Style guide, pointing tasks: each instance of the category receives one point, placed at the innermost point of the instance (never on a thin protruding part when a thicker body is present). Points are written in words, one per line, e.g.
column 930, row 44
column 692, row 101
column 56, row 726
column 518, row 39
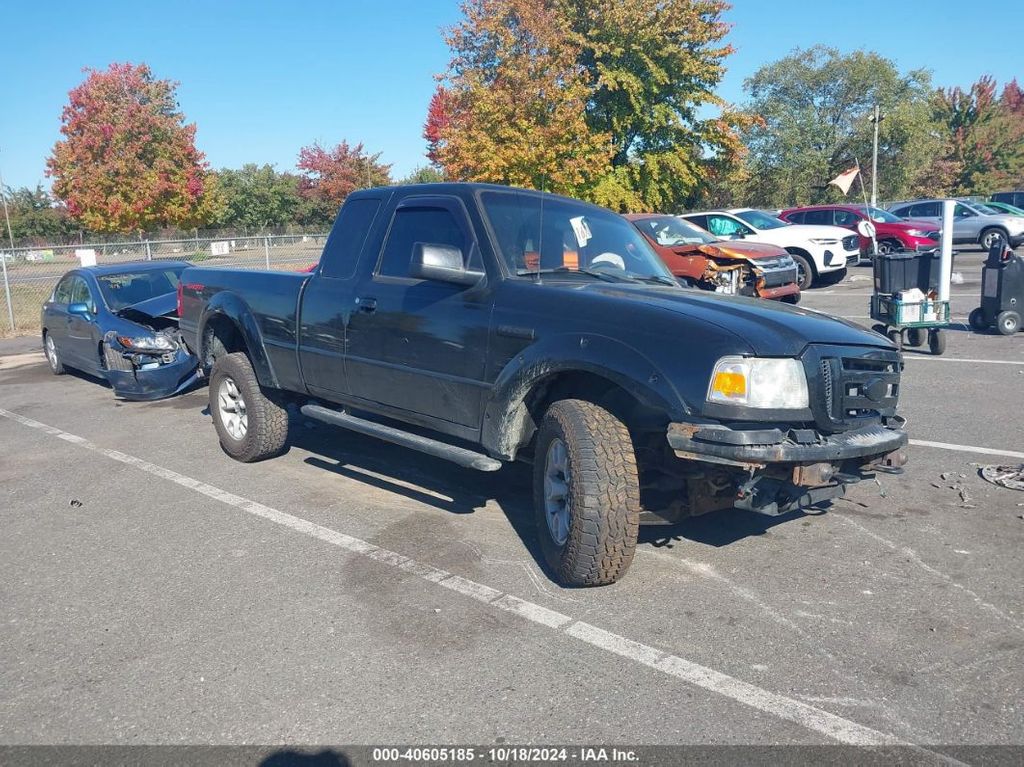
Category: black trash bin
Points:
column 906, row 270
column 1002, row 292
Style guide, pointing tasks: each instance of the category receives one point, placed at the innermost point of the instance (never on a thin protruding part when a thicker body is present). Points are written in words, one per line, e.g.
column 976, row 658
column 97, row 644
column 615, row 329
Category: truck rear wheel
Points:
column 250, row 425
column 586, row 493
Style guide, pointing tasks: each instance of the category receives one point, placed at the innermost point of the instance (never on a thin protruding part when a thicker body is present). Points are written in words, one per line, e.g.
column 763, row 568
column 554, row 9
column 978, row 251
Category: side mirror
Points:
column 81, row 309
column 443, row 263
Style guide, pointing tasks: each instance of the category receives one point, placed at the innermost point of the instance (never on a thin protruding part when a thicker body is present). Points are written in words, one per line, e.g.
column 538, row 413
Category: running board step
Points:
column 459, row 455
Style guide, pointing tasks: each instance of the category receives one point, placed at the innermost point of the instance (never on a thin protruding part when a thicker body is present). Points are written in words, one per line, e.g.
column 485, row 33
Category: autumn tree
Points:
column 986, row 136
column 127, row 161
column 512, row 109
column 811, row 113
column 331, row 175
column 651, row 68
column 438, row 118
column 258, row 196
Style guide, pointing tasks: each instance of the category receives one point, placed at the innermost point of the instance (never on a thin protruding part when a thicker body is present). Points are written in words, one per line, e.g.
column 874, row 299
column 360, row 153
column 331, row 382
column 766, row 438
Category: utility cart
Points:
column 1002, row 292
column 906, row 303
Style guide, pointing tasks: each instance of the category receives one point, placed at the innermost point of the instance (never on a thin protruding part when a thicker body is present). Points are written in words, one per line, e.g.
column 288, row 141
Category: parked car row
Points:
column 973, row 222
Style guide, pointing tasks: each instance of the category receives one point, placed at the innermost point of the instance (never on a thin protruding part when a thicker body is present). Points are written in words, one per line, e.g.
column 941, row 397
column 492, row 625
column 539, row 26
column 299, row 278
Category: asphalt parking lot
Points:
column 155, row 591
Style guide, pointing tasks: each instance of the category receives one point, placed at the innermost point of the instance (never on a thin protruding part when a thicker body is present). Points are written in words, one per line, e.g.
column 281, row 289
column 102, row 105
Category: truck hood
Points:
column 770, row 328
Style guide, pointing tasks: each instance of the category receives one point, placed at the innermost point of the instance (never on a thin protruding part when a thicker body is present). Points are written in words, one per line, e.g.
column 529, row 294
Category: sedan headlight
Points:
column 147, row 343
column 775, row 384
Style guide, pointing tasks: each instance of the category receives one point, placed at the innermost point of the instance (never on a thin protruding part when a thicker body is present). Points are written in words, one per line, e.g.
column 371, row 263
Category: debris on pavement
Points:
column 1010, row 477
column 74, row 503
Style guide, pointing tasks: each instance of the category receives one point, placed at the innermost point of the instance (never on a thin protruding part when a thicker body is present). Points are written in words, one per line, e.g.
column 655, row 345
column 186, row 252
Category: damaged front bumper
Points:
column 757, row 447
column 135, row 375
column 774, row 470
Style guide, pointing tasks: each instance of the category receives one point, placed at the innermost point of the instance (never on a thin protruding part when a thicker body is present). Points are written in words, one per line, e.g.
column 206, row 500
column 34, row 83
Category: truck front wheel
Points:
column 586, row 493
column 250, row 425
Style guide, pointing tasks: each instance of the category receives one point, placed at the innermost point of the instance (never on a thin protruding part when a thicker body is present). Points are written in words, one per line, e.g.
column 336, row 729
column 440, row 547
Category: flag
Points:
column 845, row 179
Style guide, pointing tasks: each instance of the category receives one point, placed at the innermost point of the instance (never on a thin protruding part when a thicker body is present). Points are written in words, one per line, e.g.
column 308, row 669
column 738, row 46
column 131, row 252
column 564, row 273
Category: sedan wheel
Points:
column 232, row 409
column 56, row 366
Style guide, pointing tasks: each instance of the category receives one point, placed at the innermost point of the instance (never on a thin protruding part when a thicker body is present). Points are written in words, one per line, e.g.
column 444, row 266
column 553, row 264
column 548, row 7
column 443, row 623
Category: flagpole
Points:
column 864, row 195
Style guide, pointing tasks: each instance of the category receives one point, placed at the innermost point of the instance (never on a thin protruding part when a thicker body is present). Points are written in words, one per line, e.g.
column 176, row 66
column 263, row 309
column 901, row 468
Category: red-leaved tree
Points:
column 331, row 175
column 439, row 116
column 127, row 161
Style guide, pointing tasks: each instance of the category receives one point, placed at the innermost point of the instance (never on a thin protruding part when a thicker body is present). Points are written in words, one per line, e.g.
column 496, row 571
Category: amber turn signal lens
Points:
column 729, row 384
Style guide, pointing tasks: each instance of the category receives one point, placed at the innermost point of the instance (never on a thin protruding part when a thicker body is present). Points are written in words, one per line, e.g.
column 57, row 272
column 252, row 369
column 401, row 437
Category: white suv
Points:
column 817, row 250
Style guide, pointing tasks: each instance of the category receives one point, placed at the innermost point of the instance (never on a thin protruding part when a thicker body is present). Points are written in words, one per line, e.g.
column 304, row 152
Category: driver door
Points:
column 82, row 341
column 419, row 345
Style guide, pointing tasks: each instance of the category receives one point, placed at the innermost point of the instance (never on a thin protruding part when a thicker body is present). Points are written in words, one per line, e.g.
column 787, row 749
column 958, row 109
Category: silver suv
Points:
column 972, row 221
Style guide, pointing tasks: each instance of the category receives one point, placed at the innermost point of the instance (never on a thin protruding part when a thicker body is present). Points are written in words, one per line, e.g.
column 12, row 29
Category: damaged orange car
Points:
column 697, row 258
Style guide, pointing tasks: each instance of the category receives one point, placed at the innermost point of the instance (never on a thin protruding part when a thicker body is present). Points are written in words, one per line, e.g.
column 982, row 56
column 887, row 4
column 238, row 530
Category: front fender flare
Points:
column 237, row 312
column 505, row 414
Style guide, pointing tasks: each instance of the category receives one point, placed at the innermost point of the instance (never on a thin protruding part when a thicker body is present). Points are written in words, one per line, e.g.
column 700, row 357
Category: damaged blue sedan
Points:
column 119, row 322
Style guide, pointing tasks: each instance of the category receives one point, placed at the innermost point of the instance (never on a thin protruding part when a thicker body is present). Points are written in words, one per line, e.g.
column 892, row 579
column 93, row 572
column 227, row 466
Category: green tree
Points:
column 425, row 174
column 986, row 136
column 258, row 196
column 36, row 216
column 127, row 161
column 809, row 119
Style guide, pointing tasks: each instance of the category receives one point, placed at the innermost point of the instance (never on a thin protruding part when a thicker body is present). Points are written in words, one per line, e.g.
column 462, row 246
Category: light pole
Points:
column 3, row 256
column 876, row 118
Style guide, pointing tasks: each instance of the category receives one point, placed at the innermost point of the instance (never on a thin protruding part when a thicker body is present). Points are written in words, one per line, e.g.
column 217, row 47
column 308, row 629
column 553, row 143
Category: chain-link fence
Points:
column 30, row 274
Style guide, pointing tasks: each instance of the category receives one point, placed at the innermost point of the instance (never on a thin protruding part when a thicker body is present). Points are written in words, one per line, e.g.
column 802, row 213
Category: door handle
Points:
column 367, row 305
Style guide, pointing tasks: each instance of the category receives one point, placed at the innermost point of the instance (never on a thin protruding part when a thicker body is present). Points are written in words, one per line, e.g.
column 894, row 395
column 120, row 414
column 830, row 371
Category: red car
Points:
column 892, row 233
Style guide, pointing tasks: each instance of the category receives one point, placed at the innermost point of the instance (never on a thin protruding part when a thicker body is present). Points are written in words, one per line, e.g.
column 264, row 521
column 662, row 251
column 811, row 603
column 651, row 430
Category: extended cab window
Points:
column 347, row 237
column 411, row 225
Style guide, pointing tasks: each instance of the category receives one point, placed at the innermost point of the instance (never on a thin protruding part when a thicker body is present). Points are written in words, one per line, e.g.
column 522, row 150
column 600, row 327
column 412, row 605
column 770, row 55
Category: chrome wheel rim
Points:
column 51, row 352
column 556, row 491
column 990, row 239
column 232, row 409
column 801, row 274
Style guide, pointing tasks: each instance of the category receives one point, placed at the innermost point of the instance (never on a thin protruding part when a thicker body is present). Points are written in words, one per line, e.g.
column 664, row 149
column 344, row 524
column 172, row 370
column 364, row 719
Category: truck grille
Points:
column 852, row 386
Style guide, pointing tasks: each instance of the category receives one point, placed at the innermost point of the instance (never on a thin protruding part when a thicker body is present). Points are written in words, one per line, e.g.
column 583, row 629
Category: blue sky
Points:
column 262, row 79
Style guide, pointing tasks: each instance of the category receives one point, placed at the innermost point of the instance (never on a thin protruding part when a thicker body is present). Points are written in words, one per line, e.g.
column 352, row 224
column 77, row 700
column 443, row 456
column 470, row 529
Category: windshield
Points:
column 760, row 220
column 129, row 288
column 986, row 210
column 570, row 237
column 670, row 231
column 882, row 216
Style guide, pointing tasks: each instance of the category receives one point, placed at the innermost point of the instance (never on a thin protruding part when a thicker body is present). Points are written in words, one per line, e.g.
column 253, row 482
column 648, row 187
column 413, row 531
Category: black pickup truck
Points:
column 485, row 324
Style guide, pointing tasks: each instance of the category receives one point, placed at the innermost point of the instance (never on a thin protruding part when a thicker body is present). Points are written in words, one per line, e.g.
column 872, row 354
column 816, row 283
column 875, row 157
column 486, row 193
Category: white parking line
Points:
column 818, row 720
column 928, row 358
column 967, row 448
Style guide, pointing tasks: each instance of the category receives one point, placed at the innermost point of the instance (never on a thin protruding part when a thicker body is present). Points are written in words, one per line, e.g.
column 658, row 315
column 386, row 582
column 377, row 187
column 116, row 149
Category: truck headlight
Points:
column 775, row 384
column 158, row 343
